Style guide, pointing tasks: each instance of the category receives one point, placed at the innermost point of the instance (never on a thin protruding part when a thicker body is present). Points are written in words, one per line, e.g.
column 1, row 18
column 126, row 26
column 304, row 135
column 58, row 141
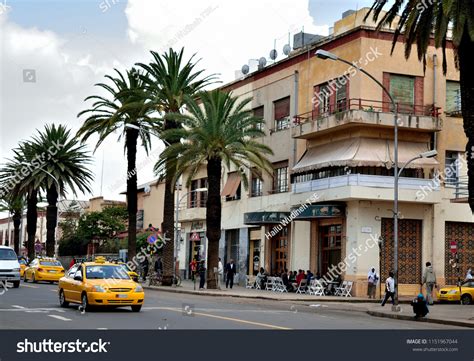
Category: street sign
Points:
column 152, row 238
column 453, row 246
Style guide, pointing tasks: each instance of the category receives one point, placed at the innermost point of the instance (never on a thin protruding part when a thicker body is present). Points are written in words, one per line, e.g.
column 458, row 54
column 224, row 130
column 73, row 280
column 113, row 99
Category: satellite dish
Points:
column 262, row 62
column 147, row 188
column 245, row 69
column 287, row 49
column 273, row 54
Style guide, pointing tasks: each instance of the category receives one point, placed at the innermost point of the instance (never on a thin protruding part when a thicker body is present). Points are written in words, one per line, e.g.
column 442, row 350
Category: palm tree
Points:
column 169, row 80
column 128, row 111
column 222, row 132
column 419, row 20
column 66, row 163
column 14, row 205
column 14, row 177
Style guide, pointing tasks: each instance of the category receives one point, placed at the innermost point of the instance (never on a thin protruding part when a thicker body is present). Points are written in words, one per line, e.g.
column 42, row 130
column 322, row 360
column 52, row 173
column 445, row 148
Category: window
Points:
column 256, row 186
column 402, row 88
column 325, row 99
column 232, row 190
column 341, row 98
column 453, row 98
column 451, row 168
column 198, row 199
column 259, row 113
column 282, row 113
column 280, row 177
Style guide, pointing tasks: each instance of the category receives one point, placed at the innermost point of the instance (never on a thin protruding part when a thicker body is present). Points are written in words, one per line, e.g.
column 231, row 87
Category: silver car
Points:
column 9, row 266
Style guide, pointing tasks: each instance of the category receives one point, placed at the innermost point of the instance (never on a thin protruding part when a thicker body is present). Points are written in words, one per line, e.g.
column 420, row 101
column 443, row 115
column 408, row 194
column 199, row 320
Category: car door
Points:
column 67, row 282
column 76, row 286
column 30, row 270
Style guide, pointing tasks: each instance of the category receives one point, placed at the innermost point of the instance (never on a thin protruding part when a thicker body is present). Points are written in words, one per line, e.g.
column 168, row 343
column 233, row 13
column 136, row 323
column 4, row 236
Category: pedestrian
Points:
column 261, row 278
column 372, row 280
column 220, row 271
column 145, row 266
column 193, row 267
column 230, row 272
column 420, row 308
column 389, row 289
column 202, row 274
column 158, row 266
column 309, row 276
column 429, row 278
column 469, row 275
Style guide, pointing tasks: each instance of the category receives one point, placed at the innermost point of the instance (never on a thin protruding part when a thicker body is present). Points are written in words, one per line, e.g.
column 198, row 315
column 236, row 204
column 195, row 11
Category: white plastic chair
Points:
column 302, row 287
column 316, row 288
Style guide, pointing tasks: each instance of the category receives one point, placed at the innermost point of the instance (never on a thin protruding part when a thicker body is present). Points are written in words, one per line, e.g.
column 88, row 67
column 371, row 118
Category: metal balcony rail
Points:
column 461, row 189
column 373, row 106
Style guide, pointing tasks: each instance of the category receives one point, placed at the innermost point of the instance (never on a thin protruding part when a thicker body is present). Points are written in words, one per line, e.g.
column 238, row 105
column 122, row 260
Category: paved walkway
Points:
column 448, row 314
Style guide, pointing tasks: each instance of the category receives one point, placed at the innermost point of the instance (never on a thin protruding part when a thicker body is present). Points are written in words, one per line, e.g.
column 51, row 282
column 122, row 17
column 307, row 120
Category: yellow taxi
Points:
column 43, row 269
column 23, row 266
column 100, row 283
column 452, row 293
column 133, row 275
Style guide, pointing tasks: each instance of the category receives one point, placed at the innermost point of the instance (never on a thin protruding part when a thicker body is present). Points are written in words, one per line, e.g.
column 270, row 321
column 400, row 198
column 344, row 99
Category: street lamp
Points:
column 323, row 54
column 178, row 201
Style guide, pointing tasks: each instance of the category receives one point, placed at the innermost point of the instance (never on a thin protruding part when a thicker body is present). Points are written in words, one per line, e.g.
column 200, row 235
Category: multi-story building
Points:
column 328, row 206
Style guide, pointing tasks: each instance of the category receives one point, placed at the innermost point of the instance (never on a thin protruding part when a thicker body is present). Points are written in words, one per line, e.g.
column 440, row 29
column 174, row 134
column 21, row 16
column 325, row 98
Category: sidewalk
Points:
column 447, row 314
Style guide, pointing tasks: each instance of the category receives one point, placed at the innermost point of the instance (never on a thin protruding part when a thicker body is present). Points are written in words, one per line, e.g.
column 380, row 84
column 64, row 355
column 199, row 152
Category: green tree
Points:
column 418, row 21
column 65, row 161
column 222, row 132
column 169, row 79
column 14, row 204
column 128, row 111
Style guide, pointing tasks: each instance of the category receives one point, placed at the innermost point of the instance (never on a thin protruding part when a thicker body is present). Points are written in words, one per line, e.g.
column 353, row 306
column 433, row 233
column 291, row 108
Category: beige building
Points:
column 328, row 206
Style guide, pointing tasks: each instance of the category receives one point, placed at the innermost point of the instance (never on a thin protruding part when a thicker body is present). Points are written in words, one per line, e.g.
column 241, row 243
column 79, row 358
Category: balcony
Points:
column 356, row 112
column 371, row 187
column 461, row 192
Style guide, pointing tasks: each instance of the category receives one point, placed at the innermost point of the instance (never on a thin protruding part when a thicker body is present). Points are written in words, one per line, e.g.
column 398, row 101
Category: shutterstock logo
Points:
column 46, row 346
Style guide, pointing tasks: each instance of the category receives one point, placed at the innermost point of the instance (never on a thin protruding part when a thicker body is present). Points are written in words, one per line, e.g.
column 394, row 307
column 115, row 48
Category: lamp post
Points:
column 178, row 201
column 322, row 54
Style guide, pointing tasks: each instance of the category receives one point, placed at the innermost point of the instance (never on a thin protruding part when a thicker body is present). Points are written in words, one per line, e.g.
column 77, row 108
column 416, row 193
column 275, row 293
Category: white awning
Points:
column 363, row 152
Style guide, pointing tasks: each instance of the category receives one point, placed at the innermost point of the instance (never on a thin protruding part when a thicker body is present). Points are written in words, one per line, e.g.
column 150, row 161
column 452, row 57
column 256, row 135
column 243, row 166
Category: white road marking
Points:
column 102, row 328
column 60, row 318
column 54, row 291
column 29, row 286
column 223, row 310
column 16, row 306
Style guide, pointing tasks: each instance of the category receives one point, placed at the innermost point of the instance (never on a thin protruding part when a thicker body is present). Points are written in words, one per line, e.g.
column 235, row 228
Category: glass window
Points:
column 106, row 272
column 258, row 113
column 51, row 263
column 282, row 113
column 7, row 255
column 281, row 177
column 453, row 98
column 257, row 185
column 325, row 99
column 341, row 98
column 451, row 167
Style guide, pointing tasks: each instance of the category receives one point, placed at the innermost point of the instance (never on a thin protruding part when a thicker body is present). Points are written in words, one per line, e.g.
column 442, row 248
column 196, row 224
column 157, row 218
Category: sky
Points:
column 54, row 51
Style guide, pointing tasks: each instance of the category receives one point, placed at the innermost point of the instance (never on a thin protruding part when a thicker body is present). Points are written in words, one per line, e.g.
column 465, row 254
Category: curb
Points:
column 260, row 297
column 427, row 320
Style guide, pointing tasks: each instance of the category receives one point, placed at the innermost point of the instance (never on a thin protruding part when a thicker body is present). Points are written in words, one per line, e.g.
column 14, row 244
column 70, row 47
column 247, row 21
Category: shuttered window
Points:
column 402, row 88
column 282, row 113
column 259, row 113
column 453, row 98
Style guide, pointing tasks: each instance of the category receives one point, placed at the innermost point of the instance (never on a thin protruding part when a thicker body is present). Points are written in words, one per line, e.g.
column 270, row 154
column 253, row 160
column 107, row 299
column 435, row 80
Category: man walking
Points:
column 220, row 271
column 389, row 289
column 230, row 272
column 429, row 278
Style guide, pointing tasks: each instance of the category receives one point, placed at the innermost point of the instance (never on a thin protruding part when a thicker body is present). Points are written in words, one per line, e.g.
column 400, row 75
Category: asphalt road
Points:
column 36, row 306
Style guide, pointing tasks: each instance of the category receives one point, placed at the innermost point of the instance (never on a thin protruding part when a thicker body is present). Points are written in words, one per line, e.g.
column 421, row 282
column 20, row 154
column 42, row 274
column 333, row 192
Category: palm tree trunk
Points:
column 31, row 220
column 168, row 226
column 51, row 220
column 131, row 145
column 213, row 219
column 466, row 59
column 16, row 230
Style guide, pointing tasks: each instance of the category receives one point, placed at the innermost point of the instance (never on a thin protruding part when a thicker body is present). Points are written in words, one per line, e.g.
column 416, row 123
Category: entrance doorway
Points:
column 330, row 242
column 279, row 252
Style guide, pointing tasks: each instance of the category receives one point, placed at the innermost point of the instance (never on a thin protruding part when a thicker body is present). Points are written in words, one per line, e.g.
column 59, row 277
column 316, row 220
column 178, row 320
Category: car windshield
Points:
column 7, row 255
column 468, row 284
column 106, row 272
column 50, row 263
column 125, row 267
column 22, row 261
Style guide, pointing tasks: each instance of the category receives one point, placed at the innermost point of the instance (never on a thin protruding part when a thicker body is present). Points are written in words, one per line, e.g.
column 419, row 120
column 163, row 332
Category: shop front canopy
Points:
column 363, row 152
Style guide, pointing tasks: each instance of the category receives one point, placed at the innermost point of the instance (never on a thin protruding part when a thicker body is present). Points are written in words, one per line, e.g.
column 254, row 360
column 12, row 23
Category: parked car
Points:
column 451, row 294
column 9, row 266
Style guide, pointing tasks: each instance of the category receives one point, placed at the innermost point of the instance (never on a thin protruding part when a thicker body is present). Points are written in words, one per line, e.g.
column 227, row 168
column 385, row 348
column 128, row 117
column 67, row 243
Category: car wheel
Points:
column 16, row 284
column 33, row 278
column 85, row 303
column 136, row 308
column 466, row 299
column 62, row 299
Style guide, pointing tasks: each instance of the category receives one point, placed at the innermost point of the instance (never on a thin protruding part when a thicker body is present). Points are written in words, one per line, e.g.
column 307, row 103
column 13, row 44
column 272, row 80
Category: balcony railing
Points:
column 367, row 112
column 460, row 188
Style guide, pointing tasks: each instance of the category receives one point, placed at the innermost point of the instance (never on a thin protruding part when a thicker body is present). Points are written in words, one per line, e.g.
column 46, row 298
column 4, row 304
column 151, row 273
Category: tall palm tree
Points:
column 222, row 132
column 169, row 79
column 14, row 177
column 124, row 108
column 419, row 20
column 13, row 204
column 66, row 162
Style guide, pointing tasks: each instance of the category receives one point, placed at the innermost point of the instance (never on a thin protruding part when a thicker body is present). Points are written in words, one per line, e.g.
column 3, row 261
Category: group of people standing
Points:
column 199, row 268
